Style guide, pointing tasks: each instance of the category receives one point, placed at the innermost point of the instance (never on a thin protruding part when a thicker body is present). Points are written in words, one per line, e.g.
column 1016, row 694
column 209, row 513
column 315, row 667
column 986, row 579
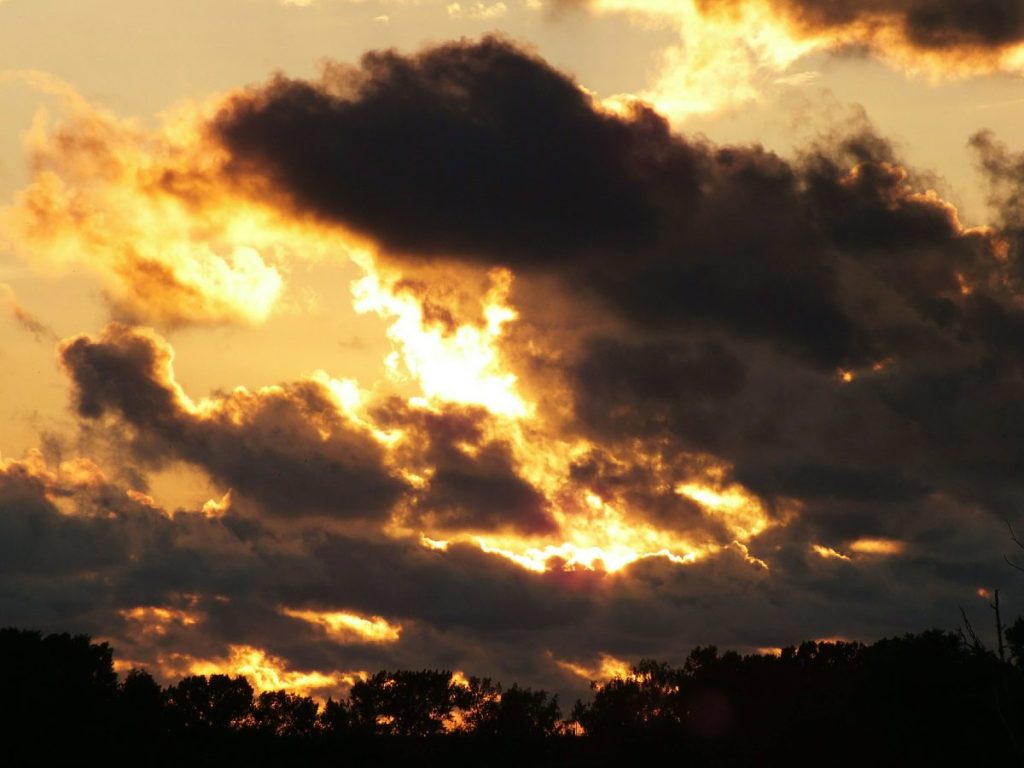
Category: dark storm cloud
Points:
column 36, row 539
column 1005, row 172
column 269, row 446
column 880, row 447
column 76, row 567
column 437, row 153
column 816, row 481
column 483, row 153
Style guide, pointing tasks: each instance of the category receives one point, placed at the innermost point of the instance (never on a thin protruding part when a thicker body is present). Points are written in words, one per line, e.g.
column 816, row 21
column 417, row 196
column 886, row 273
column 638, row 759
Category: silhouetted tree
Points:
column 335, row 718
column 285, row 714
column 57, row 679
column 1015, row 641
column 646, row 702
column 516, row 713
column 217, row 702
column 140, row 706
column 406, row 703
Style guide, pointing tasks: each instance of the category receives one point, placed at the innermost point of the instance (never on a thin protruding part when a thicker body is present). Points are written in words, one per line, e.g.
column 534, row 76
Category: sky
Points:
column 526, row 339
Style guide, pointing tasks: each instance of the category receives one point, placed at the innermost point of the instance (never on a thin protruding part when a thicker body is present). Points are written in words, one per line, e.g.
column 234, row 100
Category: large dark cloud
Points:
column 288, row 448
column 436, row 154
column 482, row 153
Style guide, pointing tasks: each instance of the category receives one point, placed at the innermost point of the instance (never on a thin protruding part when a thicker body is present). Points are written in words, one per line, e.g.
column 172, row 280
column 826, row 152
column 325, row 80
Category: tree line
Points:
column 932, row 697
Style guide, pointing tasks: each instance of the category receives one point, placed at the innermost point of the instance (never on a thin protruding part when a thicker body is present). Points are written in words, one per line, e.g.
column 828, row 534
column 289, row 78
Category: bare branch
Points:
column 1012, row 564
column 975, row 643
column 999, row 626
column 1013, row 535
column 1016, row 540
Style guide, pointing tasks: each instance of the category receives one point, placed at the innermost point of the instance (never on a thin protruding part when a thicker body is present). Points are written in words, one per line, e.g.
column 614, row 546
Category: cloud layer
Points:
column 750, row 399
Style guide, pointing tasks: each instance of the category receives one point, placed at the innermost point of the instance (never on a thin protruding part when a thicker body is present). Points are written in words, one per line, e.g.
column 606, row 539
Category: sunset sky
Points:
column 524, row 338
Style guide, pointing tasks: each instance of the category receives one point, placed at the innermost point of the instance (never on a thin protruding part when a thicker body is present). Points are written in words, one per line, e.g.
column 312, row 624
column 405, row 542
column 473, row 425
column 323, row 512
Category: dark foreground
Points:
column 934, row 698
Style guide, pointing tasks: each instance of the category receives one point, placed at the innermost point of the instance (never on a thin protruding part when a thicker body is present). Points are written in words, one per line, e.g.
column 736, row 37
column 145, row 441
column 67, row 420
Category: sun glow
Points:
column 464, row 364
column 456, row 365
column 741, row 511
column 597, row 538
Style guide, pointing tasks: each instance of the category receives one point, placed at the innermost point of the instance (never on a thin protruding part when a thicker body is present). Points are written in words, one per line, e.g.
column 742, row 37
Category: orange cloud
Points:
column 264, row 671
column 150, row 215
column 604, row 668
column 157, row 620
column 349, row 627
column 828, row 553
